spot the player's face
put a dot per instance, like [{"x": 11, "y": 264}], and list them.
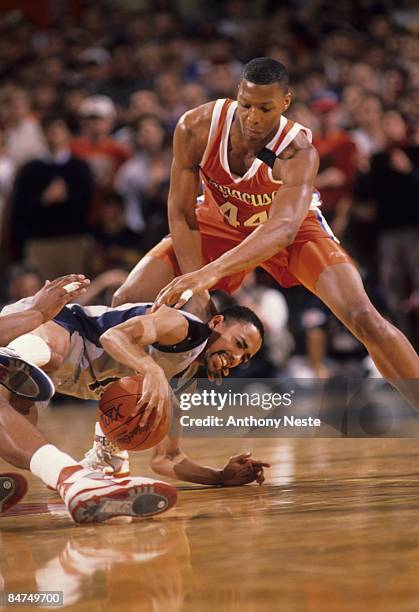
[
  {"x": 232, "y": 343},
  {"x": 260, "y": 108}
]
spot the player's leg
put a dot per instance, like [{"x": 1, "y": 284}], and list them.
[
  {"x": 89, "y": 496},
  {"x": 340, "y": 287},
  {"x": 153, "y": 272}
]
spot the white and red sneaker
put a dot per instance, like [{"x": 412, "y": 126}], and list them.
[
  {"x": 94, "y": 497},
  {"x": 13, "y": 488}
]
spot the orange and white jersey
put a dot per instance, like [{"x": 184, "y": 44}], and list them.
[{"x": 242, "y": 201}]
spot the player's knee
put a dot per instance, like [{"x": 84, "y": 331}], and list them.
[
  {"x": 121, "y": 296},
  {"x": 367, "y": 323},
  {"x": 56, "y": 360}
]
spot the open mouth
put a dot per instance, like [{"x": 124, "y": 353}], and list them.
[{"x": 225, "y": 361}]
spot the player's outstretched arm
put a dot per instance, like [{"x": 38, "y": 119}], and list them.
[
  {"x": 169, "y": 460},
  {"x": 42, "y": 307},
  {"x": 127, "y": 344},
  {"x": 288, "y": 210}
]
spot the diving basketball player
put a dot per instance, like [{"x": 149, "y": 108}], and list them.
[{"x": 90, "y": 496}]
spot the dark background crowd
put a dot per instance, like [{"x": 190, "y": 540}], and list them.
[{"x": 90, "y": 93}]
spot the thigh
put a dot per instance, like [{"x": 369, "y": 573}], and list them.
[
  {"x": 308, "y": 260},
  {"x": 153, "y": 272}
]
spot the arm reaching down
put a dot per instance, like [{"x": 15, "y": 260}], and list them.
[
  {"x": 169, "y": 460},
  {"x": 126, "y": 343},
  {"x": 288, "y": 210}
]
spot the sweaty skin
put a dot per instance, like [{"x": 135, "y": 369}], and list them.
[{"x": 255, "y": 123}]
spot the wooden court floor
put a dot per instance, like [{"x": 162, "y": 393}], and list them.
[{"x": 335, "y": 528}]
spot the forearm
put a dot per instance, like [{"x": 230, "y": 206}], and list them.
[
  {"x": 127, "y": 352},
  {"x": 17, "y": 324},
  {"x": 186, "y": 243},
  {"x": 260, "y": 245},
  {"x": 187, "y": 470}
]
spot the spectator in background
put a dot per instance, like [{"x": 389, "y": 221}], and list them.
[
  {"x": 142, "y": 103},
  {"x": 143, "y": 181},
  {"x": 338, "y": 167},
  {"x": 115, "y": 245},
  {"x": 122, "y": 80},
  {"x": 392, "y": 184},
  {"x": 368, "y": 132},
  {"x": 271, "y": 307},
  {"x": 50, "y": 204},
  {"x": 95, "y": 145},
  {"x": 23, "y": 134},
  {"x": 7, "y": 172},
  {"x": 21, "y": 282}
]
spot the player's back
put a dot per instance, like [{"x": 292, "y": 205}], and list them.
[{"x": 88, "y": 369}]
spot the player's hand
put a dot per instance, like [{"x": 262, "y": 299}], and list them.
[
  {"x": 243, "y": 469},
  {"x": 189, "y": 284},
  {"x": 154, "y": 396},
  {"x": 53, "y": 297}
]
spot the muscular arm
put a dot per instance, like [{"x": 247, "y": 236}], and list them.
[
  {"x": 169, "y": 460},
  {"x": 288, "y": 210},
  {"x": 189, "y": 143},
  {"x": 126, "y": 342},
  {"x": 287, "y": 213}
]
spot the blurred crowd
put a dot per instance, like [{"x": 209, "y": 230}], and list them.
[{"x": 89, "y": 99}]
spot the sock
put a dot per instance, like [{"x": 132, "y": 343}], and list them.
[
  {"x": 98, "y": 430},
  {"x": 47, "y": 463},
  {"x": 31, "y": 348}
]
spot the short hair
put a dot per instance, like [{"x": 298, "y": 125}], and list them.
[
  {"x": 242, "y": 313},
  {"x": 54, "y": 117},
  {"x": 264, "y": 71}
]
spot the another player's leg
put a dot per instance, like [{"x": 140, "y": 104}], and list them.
[
  {"x": 90, "y": 496},
  {"x": 340, "y": 287},
  {"x": 153, "y": 272}
]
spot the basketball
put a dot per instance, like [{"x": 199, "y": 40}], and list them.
[{"x": 118, "y": 424}]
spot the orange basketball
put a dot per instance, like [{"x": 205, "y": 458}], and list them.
[{"x": 118, "y": 424}]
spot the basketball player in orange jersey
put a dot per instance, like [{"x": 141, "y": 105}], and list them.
[{"x": 259, "y": 208}]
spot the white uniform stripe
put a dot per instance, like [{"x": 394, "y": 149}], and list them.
[{"x": 216, "y": 112}]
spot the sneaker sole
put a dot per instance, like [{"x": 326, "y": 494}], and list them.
[
  {"x": 13, "y": 488},
  {"x": 136, "y": 501},
  {"x": 27, "y": 381}
]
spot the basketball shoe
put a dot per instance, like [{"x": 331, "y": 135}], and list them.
[
  {"x": 94, "y": 497},
  {"x": 13, "y": 488},
  {"x": 105, "y": 456},
  {"x": 24, "y": 378}
]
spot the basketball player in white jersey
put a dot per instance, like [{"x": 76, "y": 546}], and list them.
[
  {"x": 260, "y": 208},
  {"x": 158, "y": 346},
  {"x": 89, "y": 495}
]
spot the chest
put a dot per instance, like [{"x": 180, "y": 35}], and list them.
[{"x": 239, "y": 160}]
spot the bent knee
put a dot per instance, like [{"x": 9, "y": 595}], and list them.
[{"x": 368, "y": 324}]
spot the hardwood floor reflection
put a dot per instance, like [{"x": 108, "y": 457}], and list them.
[{"x": 335, "y": 528}]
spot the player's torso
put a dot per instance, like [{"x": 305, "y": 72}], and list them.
[
  {"x": 243, "y": 202},
  {"x": 88, "y": 369}
]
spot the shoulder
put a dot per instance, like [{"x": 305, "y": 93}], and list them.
[
  {"x": 172, "y": 325},
  {"x": 193, "y": 128},
  {"x": 299, "y": 160}
]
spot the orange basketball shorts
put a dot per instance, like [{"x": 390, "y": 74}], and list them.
[{"x": 314, "y": 249}]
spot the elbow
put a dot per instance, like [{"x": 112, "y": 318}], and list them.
[{"x": 107, "y": 339}]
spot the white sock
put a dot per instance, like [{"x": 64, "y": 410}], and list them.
[
  {"x": 31, "y": 348},
  {"x": 98, "y": 430},
  {"x": 47, "y": 463}
]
